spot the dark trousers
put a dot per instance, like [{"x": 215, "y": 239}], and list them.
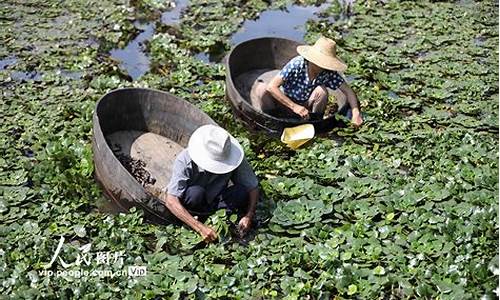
[{"x": 234, "y": 199}]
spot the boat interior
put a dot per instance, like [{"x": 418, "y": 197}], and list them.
[
  {"x": 147, "y": 151},
  {"x": 251, "y": 84}
]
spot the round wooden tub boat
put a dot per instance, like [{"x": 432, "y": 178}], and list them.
[
  {"x": 137, "y": 133},
  {"x": 258, "y": 60}
]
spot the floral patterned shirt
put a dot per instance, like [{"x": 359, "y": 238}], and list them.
[{"x": 297, "y": 85}]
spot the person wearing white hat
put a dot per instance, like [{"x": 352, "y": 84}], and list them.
[
  {"x": 300, "y": 88},
  {"x": 199, "y": 184}
]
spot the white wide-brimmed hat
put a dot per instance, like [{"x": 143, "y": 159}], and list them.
[
  {"x": 324, "y": 54},
  {"x": 215, "y": 150}
]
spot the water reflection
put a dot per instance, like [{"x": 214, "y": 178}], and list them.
[
  {"x": 392, "y": 95},
  {"x": 479, "y": 41},
  {"x": 26, "y": 76},
  {"x": 133, "y": 58},
  {"x": 289, "y": 22},
  {"x": 75, "y": 75},
  {"x": 286, "y": 23},
  {"x": 39, "y": 76},
  {"x": 4, "y": 63},
  {"x": 204, "y": 57},
  {"x": 173, "y": 16}
]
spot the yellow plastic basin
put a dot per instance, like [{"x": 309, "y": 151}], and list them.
[{"x": 297, "y": 136}]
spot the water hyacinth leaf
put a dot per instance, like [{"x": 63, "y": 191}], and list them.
[
  {"x": 352, "y": 289},
  {"x": 346, "y": 256},
  {"x": 299, "y": 213},
  {"x": 17, "y": 177},
  {"x": 160, "y": 243},
  {"x": 414, "y": 189},
  {"x": 3, "y": 206},
  {"x": 30, "y": 227},
  {"x": 379, "y": 270},
  {"x": 80, "y": 230}
]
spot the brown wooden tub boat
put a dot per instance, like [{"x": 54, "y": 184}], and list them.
[
  {"x": 256, "y": 60},
  {"x": 137, "y": 133}
]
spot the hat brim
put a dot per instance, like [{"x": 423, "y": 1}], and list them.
[
  {"x": 198, "y": 154},
  {"x": 324, "y": 61}
]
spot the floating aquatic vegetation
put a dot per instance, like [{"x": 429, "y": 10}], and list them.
[{"x": 404, "y": 207}]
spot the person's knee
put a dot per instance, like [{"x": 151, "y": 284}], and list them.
[
  {"x": 236, "y": 197},
  {"x": 321, "y": 93},
  {"x": 260, "y": 98},
  {"x": 340, "y": 99},
  {"x": 194, "y": 196},
  {"x": 318, "y": 101}
]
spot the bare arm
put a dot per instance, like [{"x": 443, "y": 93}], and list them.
[
  {"x": 274, "y": 89},
  {"x": 352, "y": 99},
  {"x": 174, "y": 205},
  {"x": 253, "y": 196}
]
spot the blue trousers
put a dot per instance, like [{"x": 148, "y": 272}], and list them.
[{"x": 234, "y": 199}]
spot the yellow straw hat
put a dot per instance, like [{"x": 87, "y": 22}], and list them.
[{"x": 323, "y": 53}]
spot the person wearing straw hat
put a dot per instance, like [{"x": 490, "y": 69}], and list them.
[
  {"x": 300, "y": 88},
  {"x": 200, "y": 177}
]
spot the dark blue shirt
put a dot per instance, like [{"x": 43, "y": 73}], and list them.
[{"x": 296, "y": 80}]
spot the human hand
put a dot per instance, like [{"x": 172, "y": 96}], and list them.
[
  {"x": 301, "y": 111},
  {"x": 208, "y": 234},
  {"x": 357, "y": 119},
  {"x": 244, "y": 225}
]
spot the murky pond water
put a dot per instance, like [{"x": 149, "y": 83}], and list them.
[
  {"x": 7, "y": 64},
  {"x": 287, "y": 23},
  {"x": 479, "y": 41},
  {"x": 38, "y": 76},
  {"x": 133, "y": 58},
  {"x": 173, "y": 16},
  {"x": 20, "y": 76},
  {"x": 71, "y": 75},
  {"x": 4, "y": 63}
]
